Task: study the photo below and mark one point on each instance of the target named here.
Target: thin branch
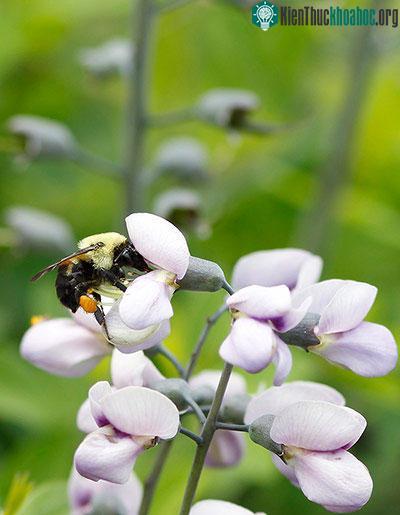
(98, 164)
(206, 434)
(202, 339)
(227, 287)
(196, 409)
(196, 438)
(161, 349)
(232, 427)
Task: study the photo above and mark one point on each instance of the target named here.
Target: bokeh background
(260, 197)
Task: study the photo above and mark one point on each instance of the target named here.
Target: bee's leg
(100, 315)
(113, 279)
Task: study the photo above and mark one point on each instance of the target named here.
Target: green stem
(137, 106)
(172, 359)
(232, 427)
(191, 435)
(207, 435)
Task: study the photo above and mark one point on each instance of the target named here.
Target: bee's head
(103, 257)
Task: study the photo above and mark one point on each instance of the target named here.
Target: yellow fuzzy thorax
(104, 256)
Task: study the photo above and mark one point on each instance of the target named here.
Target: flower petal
(211, 507)
(146, 302)
(63, 347)
(210, 378)
(97, 393)
(140, 411)
(133, 370)
(160, 242)
(84, 419)
(337, 480)
(282, 360)
(321, 293)
(293, 317)
(348, 307)
(310, 271)
(317, 426)
(87, 320)
(272, 268)
(261, 302)
(368, 350)
(284, 469)
(226, 449)
(102, 455)
(250, 345)
(276, 399)
(86, 495)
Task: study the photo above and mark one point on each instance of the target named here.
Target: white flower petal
(261, 302)
(226, 449)
(160, 242)
(211, 507)
(282, 360)
(210, 378)
(133, 370)
(84, 419)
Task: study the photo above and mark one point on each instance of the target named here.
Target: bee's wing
(65, 259)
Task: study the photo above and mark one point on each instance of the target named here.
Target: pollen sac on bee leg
(88, 304)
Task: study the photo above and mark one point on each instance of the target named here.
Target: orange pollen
(36, 319)
(87, 304)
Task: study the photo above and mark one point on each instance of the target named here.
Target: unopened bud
(202, 275)
(259, 432)
(234, 409)
(227, 107)
(42, 137)
(111, 58)
(177, 390)
(203, 395)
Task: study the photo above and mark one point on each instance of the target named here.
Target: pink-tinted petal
(211, 507)
(97, 393)
(310, 272)
(336, 480)
(84, 419)
(85, 495)
(293, 317)
(160, 242)
(226, 449)
(142, 412)
(284, 469)
(282, 360)
(317, 426)
(210, 378)
(88, 320)
(348, 307)
(250, 345)
(272, 268)
(129, 340)
(276, 399)
(133, 370)
(103, 455)
(63, 347)
(261, 302)
(321, 293)
(146, 302)
(369, 350)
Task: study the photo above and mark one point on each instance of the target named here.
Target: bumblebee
(97, 268)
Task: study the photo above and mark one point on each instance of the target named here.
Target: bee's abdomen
(65, 289)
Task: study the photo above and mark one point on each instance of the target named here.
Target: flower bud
(42, 137)
(184, 158)
(203, 394)
(227, 107)
(39, 230)
(234, 409)
(303, 334)
(111, 58)
(202, 275)
(259, 432)
(177, 390)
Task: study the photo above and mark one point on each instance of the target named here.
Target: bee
(97, 268)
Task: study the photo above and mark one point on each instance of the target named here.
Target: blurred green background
(262, 188)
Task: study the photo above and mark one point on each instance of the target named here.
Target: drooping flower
(86, 496)
(68, 347)
(315, 438)
(276, 398)
(126, 370)
(147, 301)
(129, 421)
(214, 507)
(295, 268)
(258, 313)
(366, 348)
(227, 447)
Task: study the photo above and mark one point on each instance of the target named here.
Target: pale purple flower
(86, 496)
(276, 398)
(126, 370)
(147, 301)
(69, 347)
(315, 438)
(365, 348)
(227, 447)
(214, 507)
(295, 268)
(259, 312)
(129, 421)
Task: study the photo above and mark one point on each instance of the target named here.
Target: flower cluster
(277, 303)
